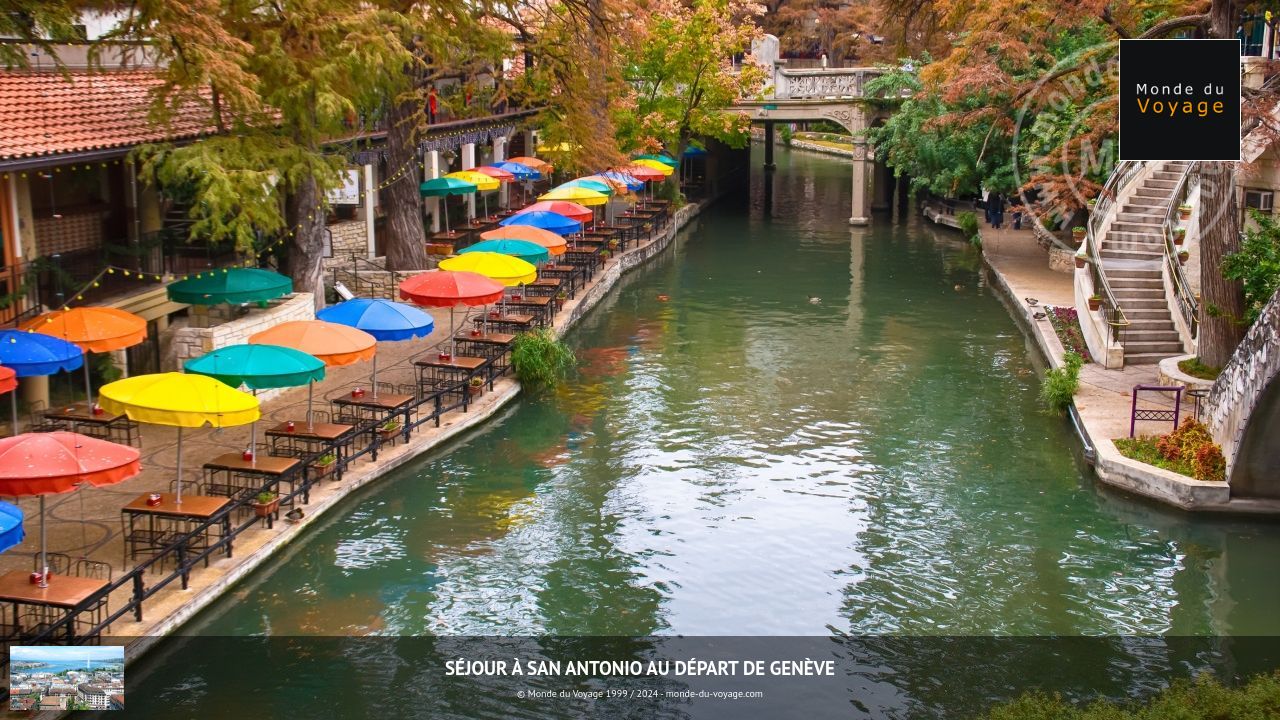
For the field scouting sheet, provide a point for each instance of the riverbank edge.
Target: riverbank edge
(357, 480)
(1112, 468)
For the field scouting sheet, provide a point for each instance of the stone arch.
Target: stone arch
(1256, 471)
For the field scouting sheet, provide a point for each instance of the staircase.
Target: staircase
(1132, 252)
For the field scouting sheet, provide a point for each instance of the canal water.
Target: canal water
(782, 427)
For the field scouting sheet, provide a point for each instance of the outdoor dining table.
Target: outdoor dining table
(169, 520)
(452, 375)
(63, 591)
(456, 238)
(378, 410)
(79, 417)
(585, 258)
(251, 474)
(494, 346)
(308, 440)
(543, 307)
(544, 286)
(565, 272)
(511, 322)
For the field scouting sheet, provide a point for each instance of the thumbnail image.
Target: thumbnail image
(66, 678)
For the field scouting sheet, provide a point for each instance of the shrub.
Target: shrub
(1188, 450)
(785, 132)
(1066, 323)
(540, 359)
(1197, 369)
(1257, 264)
(1060, 384)
(968, 223)
(1202, 699)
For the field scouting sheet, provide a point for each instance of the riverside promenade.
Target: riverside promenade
(87, 523)
(1021, 271)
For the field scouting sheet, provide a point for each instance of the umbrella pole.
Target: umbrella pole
(44, 560)
(179, 500)
(13, 405)
(444, 202)
(453, 341)
(374, 380)
(88, 389)
(311, 387)
(253, 439)
(486, 204)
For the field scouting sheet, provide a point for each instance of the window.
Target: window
(1260, 200)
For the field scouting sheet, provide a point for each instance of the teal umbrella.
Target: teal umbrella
(259, 367)
(445, 186)
(664, 159)
(589, 185)
(532, 253)
(230, 285)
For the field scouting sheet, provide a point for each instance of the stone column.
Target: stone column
(431, 171)
(468, 162)
(500, 154)
(861, 175)
(769, 165)
(370, 200)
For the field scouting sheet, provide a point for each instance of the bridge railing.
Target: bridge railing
(821, 83)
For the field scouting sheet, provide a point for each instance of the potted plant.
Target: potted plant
(265, 504)
(1077, 233)
(324, 464)
(476, 386)
(1179, 235)
(1182, 256)
(1092, 203)
(562, 296)
(1184, 211)
(1081, 259)
(613, 244)
(388, 429)
(1095, 302)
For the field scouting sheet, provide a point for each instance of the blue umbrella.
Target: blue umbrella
(11, 531)
(383, 319)
(588, 184)
(554, 222)
(532, 253)
(693, 151)
(631, 182)
(31, 354)
(522, 172)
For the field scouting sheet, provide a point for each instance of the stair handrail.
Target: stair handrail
(1187, 303)
(1121, 176)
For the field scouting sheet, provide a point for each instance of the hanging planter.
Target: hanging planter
(1077, 233)
(1182, 256)
(1081, 260)
(1095, 303)
(1179, 235)
(1184, 212)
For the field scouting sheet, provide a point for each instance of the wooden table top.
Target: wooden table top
(262, 464)
(80, 412)
(447, 236)
(513, 318)
(600, 233)
(384, 401)
(530, 300)
(65, 591)
(201, 507)
(457, 362)
(560, 269)
(317, 431)
(546, 282)
(493, 338)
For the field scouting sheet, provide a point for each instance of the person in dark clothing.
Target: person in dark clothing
(997, 210)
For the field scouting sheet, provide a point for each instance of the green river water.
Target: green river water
(734, 459)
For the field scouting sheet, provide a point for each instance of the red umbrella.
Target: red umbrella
(9, 383)
(58, 462)
(444, 288)
(571, 210)
(496, 173)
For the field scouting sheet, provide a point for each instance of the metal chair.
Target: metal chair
(99, 570)
(38, 421)
(189, 487)
(59, 563)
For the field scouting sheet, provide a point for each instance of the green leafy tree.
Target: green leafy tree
(1257, 264)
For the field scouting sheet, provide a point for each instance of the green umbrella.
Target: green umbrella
(230, 285)
(258, 367)
(443, 186)
(665, 160)
(531, 253)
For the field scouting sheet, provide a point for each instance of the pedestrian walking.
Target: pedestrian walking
(996, 203)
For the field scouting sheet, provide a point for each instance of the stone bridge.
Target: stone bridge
(834, 94)
(1243, 409)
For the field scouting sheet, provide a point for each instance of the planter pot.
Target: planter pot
(266, 509)
(1182, 259)
(1184, 214)
(387, 434)
(1077, 234)
(1080, 262)
(475, 390)
(1177, 239)
(439, 249)
(322, 471)
(1095, 304)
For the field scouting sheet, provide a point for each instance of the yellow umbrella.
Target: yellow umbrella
(580, 195)
(663, 168)
(509, 271)
(480, 180)
(617, 187)
(179, 399)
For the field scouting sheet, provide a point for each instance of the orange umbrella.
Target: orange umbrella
(58, 462)
(333, 343)
(554, 244)
(540, 165)
(94, 329)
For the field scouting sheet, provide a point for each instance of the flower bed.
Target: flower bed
(1189, 450)
(1066, 323)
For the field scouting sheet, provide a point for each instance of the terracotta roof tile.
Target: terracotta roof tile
(48, 113)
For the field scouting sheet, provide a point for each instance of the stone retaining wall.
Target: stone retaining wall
(1236, 392)
(349, 238)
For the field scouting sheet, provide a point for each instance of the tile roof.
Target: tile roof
(48, 113)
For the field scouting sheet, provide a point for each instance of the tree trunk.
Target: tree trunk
(1221, 300)
(306, 247)
(405, 240)
(1224, 18)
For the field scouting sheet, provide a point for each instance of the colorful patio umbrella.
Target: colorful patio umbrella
(58, 462)
(661, 167)
(642, 172)
(541, 166)
(94, 329)
(496, 173)
(257, 367)
(523, 249)
(632, 182)
(443, 187)
(571, 210)
(330, 342)
(617, 187)
(694, 151)
(9, 384)
(483, 183)
(504, 269)
(31, 354)
(11, 530)
(664, 159)
(586, 183)
(554, 244)
(383, 319)
(519, 170)
(580, 195)
(552, 222)
(440, 288)
(181, 400)
(230, 285)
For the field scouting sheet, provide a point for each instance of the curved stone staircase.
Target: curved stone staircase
(1132, 250)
